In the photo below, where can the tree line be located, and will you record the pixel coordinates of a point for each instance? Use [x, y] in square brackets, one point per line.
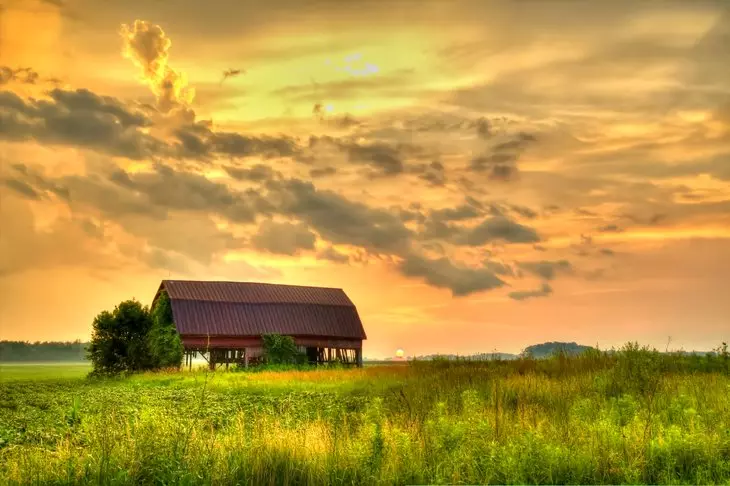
[25, 351]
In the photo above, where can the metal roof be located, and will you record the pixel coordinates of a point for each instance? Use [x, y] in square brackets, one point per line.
[253, 309]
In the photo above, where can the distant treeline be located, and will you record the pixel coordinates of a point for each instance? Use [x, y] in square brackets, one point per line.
[42, 351]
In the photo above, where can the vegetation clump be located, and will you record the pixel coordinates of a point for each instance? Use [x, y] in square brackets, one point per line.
[134, 338]
[281, 350]
[164, 340]
[119, 339]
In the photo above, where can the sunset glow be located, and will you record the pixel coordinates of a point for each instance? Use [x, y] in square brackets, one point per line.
[475, 176]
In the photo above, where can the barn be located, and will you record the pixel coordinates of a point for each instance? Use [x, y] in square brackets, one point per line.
[225, 321]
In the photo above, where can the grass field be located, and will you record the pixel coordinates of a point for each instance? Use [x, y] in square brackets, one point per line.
[43, 371]
[636, 417]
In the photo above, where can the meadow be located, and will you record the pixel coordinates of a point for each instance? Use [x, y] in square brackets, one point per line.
[632, 417]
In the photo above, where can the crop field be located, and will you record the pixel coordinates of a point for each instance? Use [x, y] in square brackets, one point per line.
[632, 417]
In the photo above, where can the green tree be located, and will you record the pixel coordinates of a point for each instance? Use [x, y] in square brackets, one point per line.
[281, 349]
[164, 341]
[119, 339]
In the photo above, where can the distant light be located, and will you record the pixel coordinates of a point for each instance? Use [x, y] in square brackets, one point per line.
[399, 353]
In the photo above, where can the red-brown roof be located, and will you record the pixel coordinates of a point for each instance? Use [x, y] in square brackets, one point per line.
[253, 309]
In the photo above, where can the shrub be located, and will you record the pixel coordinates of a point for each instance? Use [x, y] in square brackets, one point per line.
[164, 341]
[119, 339]
[281, 350]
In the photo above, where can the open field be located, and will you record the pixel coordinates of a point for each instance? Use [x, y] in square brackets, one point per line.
[43, 371]
[639, 417]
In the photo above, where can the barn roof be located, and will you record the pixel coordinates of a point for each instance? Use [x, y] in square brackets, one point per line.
[253, 309]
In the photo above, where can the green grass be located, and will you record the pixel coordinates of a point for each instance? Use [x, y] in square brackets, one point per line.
[43, 371]
[638, 417]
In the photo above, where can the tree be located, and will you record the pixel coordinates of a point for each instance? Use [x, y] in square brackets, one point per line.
[280, 349]
[164, 341]
[119, 339]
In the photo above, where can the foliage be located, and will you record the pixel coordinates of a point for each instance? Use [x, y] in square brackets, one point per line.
[119, 339]
[280, 349]
[164, 341]
[583, 419]
[545, 350]
[21, 351]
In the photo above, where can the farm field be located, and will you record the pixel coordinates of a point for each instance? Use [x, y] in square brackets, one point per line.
[43, 371]
[636, 417]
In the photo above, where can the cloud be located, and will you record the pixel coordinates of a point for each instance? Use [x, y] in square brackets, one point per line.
[385, 159]
[22, 188]
[257, 173]
[283, 238]
[148, 47]
[544, 291]
[499, 228]
[232, 73]
[18, 75]
[333, 255]
[610, 228]
[184, 191]
[523, 211]
[501, 162]
[78, 118]
[198, 141]
[442, 273]
[546, 269]
[322, 172]
[433, 173]
[338, 219]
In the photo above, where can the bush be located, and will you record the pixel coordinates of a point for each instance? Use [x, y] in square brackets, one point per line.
[281, 350]
[164, 341]
[119, 339]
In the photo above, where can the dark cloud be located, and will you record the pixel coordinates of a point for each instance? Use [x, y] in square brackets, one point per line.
[484, 128]
[501, 161]
[199, 141]
[443, 273]
[283, 238]
[386, 160]
[322, 172]
[338, 219]
[29, 180]
[105, 124]
[158, 258]
[22, 188]
[18, 75]
[499, 228]
[546, 269]
[524, 211]
[607, 252]
[609, 228]
[499, 268]
[232, 73]
[433, 173]
[257, 173]
[78, 118]
[333, 255]
[459, 213]
[185, 191]
[544, 291]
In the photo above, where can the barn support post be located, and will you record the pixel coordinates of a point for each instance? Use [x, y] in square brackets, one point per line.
[245, 357]
[358, 355]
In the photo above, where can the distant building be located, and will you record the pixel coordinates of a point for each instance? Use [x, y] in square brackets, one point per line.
[225, 321]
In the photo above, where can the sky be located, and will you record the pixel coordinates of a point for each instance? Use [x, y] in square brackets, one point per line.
[476, 175]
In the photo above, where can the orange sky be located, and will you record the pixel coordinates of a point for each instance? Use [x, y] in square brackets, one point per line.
[475, 175]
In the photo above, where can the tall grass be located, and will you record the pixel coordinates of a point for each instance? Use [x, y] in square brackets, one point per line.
[636, 416]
